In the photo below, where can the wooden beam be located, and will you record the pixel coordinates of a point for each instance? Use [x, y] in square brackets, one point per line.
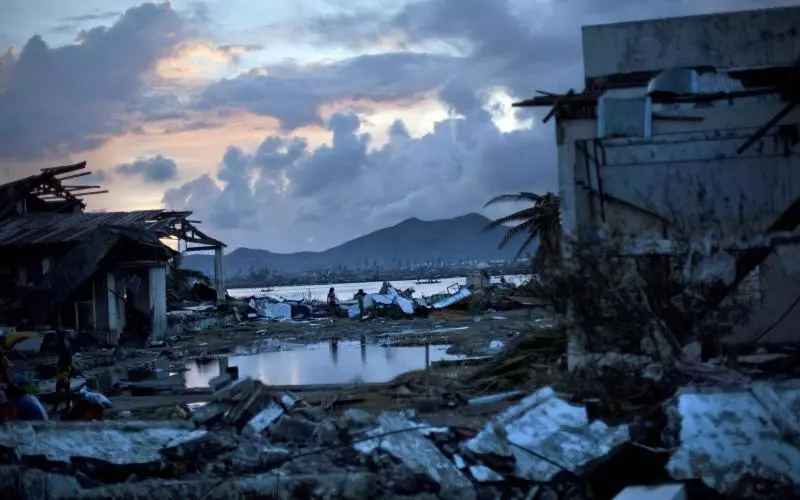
[73, 176]
[200, 249]
[64, 169]
[141, 263]
[104, 191]
[77, 188]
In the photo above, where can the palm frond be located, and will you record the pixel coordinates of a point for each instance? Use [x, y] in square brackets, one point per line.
[514, 231]
[525, 244]
[521, 216]
[514, 198]
[541, 220]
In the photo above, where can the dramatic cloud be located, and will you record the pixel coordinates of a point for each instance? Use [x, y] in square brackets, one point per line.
[294, 94]
[339, 191]
[157, 70]
[154, 170]
[72, 97]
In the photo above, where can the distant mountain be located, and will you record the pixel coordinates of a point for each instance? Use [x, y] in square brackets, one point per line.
[410, 241]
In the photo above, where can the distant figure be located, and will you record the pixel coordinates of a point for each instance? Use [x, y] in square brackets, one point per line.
[332, 302]
[360, 297]
[485, 278]
[63, 370]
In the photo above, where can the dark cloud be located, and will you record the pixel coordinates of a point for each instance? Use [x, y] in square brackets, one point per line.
[339, 191]
[277, 153]
[398, 129]
[53, 99]
[100, 16]
[193, 193]
[284, 193]
[294, 94]
[521, 46]
[154, 170]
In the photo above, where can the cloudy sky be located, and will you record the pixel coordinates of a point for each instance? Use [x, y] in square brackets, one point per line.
[297, 124]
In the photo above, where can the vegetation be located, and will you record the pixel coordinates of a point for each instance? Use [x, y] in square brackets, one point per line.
[178, 279]
[540, 221]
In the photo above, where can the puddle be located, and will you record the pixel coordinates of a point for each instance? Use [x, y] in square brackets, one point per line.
[323, 363]
[414, 331]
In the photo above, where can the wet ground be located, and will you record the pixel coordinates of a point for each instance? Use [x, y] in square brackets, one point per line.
[322, 363]
[467, 335]
[327, 351]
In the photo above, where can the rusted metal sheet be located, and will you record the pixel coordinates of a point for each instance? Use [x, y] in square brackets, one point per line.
[49, 228]
[70, 272]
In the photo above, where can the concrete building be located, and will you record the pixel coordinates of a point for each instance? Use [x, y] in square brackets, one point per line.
[686, 134]
[93, 272]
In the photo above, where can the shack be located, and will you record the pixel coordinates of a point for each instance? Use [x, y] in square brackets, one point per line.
[686, 134]
[87, 271]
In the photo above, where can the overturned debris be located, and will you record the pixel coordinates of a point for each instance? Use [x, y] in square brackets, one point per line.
[725, 438]
[545, 435]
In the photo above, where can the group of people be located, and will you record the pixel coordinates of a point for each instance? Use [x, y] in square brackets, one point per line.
[333, 303]
[17, 404]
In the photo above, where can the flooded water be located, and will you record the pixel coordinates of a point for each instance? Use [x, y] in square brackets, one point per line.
[323, 363]
[345, 291]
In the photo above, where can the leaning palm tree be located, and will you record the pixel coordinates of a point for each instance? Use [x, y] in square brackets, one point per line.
[542, 220]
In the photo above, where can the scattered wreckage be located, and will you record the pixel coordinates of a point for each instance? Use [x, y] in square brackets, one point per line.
[253, 440]
[388, 302]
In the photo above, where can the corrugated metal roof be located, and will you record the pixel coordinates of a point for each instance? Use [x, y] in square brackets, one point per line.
[715, 83]
[49, 228]
[625, 93]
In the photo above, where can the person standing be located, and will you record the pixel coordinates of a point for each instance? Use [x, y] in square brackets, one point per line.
[360, 297]
[332, 302]
[63, 371]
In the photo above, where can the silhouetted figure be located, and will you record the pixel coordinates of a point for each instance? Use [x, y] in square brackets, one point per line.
[360, 297]
[332, 302]
[63, 371]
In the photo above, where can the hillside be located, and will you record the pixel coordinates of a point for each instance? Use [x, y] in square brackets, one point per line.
[412, 240]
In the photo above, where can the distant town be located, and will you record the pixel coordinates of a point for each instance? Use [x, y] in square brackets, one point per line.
[267, 277]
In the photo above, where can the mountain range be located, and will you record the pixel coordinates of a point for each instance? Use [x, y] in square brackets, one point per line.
[411, 241]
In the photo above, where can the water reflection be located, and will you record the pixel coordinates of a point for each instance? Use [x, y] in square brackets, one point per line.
[334, 363]
[363, 350]
[334, 347]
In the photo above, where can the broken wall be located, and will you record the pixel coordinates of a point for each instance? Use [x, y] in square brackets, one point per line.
[685, 182]
[726, 41]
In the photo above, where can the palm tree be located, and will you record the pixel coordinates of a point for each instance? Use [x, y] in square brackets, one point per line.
[542, 220]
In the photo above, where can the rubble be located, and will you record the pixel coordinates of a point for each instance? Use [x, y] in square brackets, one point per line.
[545, 435]
[723, 437]
[265, 308]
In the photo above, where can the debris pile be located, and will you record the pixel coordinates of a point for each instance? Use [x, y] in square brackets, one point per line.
[251, 440]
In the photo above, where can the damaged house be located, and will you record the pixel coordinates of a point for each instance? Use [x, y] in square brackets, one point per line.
[98, 272]
[685, 142]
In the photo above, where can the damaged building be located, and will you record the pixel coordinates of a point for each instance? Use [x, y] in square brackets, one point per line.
[103, 273]
[685, 141]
